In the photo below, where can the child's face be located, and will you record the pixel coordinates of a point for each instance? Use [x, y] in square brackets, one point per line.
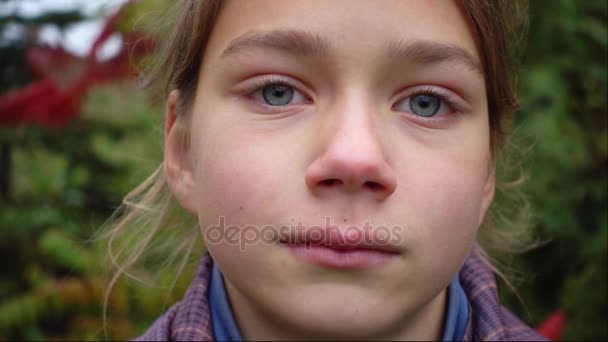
[344, 136]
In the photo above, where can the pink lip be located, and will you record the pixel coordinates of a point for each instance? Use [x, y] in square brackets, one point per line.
[333, 248]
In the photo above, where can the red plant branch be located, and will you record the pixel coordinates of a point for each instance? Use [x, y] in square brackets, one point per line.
[64, 79]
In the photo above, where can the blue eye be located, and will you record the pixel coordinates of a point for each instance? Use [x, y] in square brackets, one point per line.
[277, 94]
[428, 103]
[425, 105]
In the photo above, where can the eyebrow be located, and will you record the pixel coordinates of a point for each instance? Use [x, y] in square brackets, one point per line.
[429, 52]
[311, 44]
[297, 42]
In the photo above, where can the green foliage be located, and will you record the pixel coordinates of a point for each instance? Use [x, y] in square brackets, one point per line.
[563, 86]
[65, 184]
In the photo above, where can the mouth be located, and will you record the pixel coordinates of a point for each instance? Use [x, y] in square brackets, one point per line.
[331, 247]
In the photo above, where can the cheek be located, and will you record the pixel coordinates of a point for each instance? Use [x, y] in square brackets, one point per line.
[232, 193]
[445, 201]
[234, 183]
[240, 173]
[451, 203]
[453, 199]
[239, 181]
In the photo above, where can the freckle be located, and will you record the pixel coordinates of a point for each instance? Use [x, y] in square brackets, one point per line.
[241, 207]
[345, 220]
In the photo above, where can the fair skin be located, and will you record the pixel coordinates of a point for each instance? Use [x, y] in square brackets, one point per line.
[348, 145]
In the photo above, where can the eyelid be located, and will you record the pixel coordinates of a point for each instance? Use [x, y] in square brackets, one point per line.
[251, 85]
[456, 102]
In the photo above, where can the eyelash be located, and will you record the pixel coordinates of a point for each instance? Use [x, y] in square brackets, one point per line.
[441, 95]
[273, 80]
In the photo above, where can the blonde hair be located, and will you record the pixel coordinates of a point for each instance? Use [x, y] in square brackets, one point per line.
[150, 210]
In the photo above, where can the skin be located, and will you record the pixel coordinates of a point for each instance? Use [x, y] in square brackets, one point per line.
[254, 164]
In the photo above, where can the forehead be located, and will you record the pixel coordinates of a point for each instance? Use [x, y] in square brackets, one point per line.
[365, 26]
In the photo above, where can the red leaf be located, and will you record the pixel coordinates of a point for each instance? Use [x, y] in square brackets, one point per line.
[553, 327]
[65, 79]
[15, 106]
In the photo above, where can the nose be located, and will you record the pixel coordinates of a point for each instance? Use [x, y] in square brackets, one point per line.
[351, 161]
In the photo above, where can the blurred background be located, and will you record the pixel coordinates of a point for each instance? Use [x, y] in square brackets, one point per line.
[77, 134]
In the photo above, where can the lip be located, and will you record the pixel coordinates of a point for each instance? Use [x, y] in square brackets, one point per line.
[332, 247]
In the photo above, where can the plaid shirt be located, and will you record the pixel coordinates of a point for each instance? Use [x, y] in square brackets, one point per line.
[190, 320]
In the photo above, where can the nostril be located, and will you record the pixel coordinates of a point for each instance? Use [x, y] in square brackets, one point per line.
[374, 186]
[331, 182]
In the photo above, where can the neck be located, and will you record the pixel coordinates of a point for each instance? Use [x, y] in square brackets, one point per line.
[256, 323]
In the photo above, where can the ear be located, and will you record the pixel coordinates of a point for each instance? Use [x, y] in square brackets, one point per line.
[489, 189]
[178, 165]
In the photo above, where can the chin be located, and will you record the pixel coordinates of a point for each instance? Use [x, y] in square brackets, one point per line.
[341, 314]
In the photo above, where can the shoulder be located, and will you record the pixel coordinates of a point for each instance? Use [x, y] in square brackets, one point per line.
[159, 330]
[519, 331]
[489, 321]
[190, 319]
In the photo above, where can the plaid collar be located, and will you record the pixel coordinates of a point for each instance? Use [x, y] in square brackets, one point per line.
[190, 320]
[488, 320]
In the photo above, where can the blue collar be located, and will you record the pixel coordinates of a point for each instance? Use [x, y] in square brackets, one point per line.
[457, 315]
[225, 328]
[224, 325]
